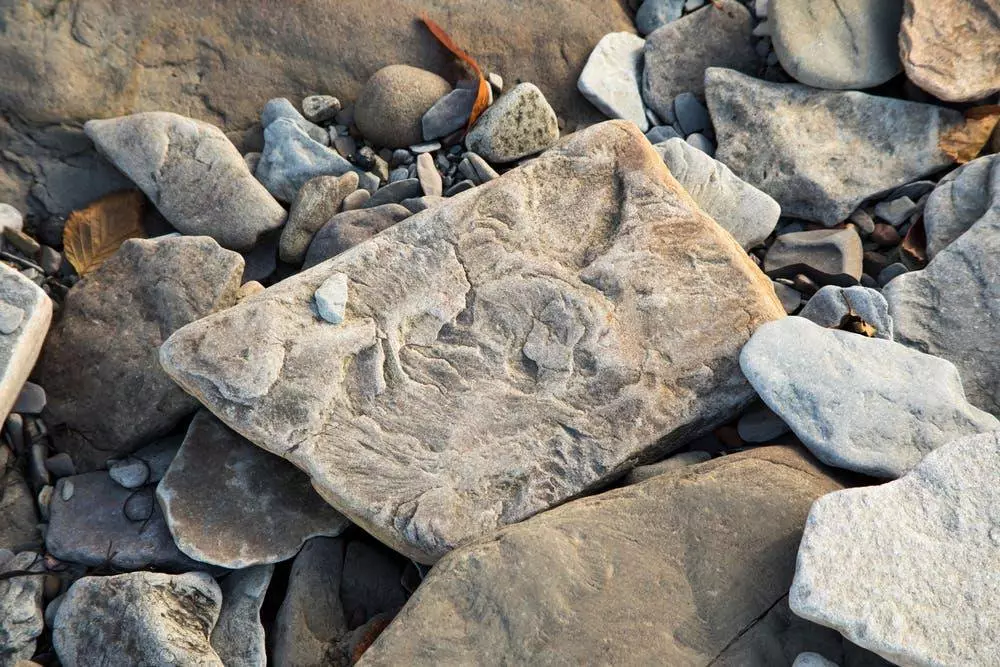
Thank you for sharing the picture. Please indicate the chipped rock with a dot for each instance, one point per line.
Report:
(612, 77)
(320, 108)
(848, 307)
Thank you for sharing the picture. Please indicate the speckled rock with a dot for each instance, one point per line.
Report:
(21, 601)
(518, 124)
(316, 202)
(392, 104)
(238, 637)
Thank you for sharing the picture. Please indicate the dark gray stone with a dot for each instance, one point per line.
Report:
(691, 114)
(395, 193)
(346, 230)
(654, 14)
(448, 115)
(828, 256)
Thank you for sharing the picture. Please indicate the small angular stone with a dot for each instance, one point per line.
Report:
(959, 200)
(10, 217)
(518, 124)
(331, 298)
(316, 202)
(428, 175)
(320, 108)
(449, 114)
(895, 211)
(612, 77)
(280, 107)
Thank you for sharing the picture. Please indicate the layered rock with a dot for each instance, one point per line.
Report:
(500, 353)
(29, 313)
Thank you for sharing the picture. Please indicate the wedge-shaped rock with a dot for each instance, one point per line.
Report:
(907, 569)
(821, 153)
(107, 394)
(864, 404)
(668, 572)
(238, 637)
(194, 175)
(232, 504)
(30, 313)
(959, 200)
(499, 354)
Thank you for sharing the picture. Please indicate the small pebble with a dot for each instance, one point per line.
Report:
(346, 146)
(760, 424)
(27, 245)
(401, 156)
(426, 147)
(60, 465)
(320, 108)
(760, 9)
(692, 5)
(427, 173)
(789, 297)
(331, 298)
(863, 221)
(763, 48)
(890, 272)
(130, 473)
(702, 143)
(763, 29)
(885, 235)
(66, 492)
(868, 281)
(661, 133)
(653, 119)
(13, 428)
(896, 211)
(691, 114)
(468, 171)
(31, 400)
(356, 200)
(496, 82)
(50, 260)
(10, 318)
(37, 472)
(249, 289)
(399, 174)
(461, 186)
(139, 506)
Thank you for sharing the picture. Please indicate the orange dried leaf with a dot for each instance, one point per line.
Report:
(914, 244)
(483, 93)
(95, 233)
(482, 101)
(965, 141)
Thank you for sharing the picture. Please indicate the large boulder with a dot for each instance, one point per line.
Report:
(501, 353)
(670, 571)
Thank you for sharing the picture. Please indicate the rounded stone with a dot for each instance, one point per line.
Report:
(393, 103)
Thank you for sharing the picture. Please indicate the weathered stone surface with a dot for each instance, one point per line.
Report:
(140, 618)
(18, 519)
(698, 554)
(501, 352)
(238, 637)
(837, 44)
(280, 107)
(393, 102)
(107, 394)
(905, 569)
(960, 199)
(346, 230)
(678, 54)
(518, 124)
(810, 659)
(864, 404)
(849, 307)
(951, 48)
(821, 153)
(192, 173)
(951, 309)
(335, 588)
(612, 77)
(742, 210)
(232, 504)
(316, 202)
(19, 349)
(655, 13)
(825, 255)
(21, 602)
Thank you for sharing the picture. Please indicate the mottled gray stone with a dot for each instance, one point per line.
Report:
(839, 307)
(140, 618)
(821, 153)
(19, 349)
(612, 77)
(864, 404)
(701, 554)
(238, 637)
(18, 519)
(960, 199)
(391, 106)
(21, 622)
(331, 298)
(653, 14)
(742, 210)
(449, 114)
(837, 44)
(346, 230)
(905, 569)
(320, 108)
(677, 55)
(280, 107)
(232, 504)
(810, 659)
(192, 173)
(316, 202)
(107, 394)
(518, 124)
(760, 424)
(489, 363)
(417, 204)
(825, 255)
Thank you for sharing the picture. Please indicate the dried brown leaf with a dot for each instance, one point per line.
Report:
(965, 141)
(914, 244)
(483, 92)
(95, 233)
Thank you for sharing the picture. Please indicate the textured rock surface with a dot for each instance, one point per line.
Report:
(677, 55)
(140, 618)
(21, 601)
(316, 202)
(393, 102)
(742, 210)
(837, 43)
(232, 504)
(18, 519)
(107, 394)
(19, 349)
(612, 77)
(699, 555)
(346, 230)
(845, 307)
(501, 353)
(865, 404)
(821, 153)
(518, 124)
(192, 173)
(238, 637)
(205, 60)
(951, 48)
(960, 199)
(904, 569)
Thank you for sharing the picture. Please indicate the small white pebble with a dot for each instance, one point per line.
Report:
(67, 490)
(331, 298)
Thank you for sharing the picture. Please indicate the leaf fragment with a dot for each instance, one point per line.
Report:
(96, 232)
(966, 140)
(483, 92)
(914, 244)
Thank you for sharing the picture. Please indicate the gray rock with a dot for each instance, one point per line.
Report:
(50, 260)
(232, 504)
(864, 404)
(518, 124)
(107, 394)
(484, 172)
(760, 424)
(18, 519)
(398, 174)
(702, 143)
(392, 104)
(459, 188)
(60, 465)
(291, 159)
(844, 308)
(902, 569)
(320, 108)
(316, 202)
(238, 637)
(425, 147)
(837, 44)
(280, 107)
(94, 527)
(895, 211)
(790, 297)
(653, 14)
(677, 548)
(356, 200)
(428, 175)
(331, 298)
(10, 318)
(192, 173)
(950, 309)
(10, 217)
(612, 77)
(346, 230)
(962, 197)
(346, 146)
(395, 193)
(582, 232)
(156, 458)
(691, 114)
(671, 464)
(821, 153)
(677, 55)
(662, 133)
(448, 115)
(30, 400)
(891, 272)
(832, 256)
(810, 659)
(417, 204)
(140, 618)
(19, 349)
(742, 210)
(21, 622)
(252, 160)
(129, 473)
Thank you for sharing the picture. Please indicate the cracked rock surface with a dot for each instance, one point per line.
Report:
(501, 353)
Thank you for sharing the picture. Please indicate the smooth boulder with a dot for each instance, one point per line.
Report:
(500, 353)
(393, 102)
(30, 313)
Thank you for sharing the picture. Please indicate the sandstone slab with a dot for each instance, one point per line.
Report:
(107, 394)
(821, 153)
(500, 353)
(238, 637)
(959, 200)
(21, 344)
(232, 504)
